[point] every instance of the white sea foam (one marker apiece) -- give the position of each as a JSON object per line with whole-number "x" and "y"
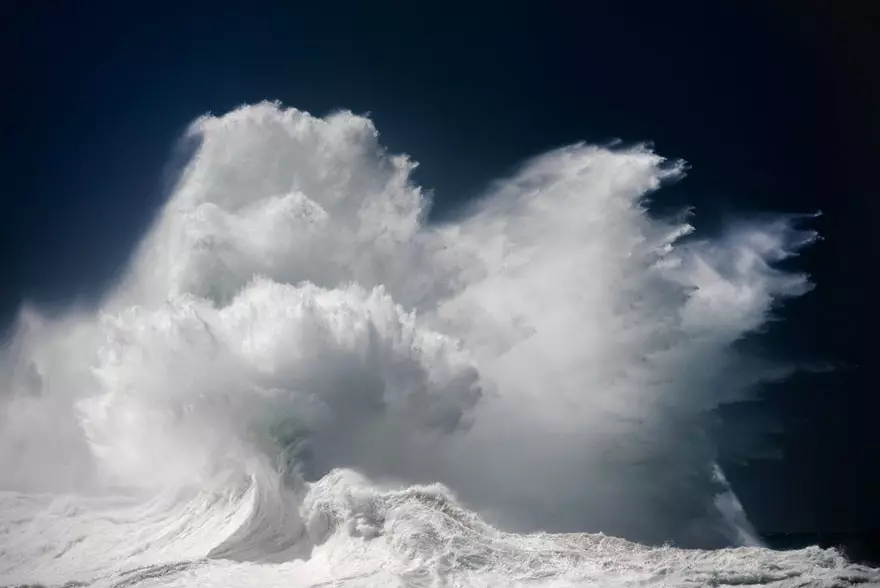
{"x": 295, "y": 360}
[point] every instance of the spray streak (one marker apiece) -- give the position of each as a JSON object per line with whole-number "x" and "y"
{"x": 551, "y": 356}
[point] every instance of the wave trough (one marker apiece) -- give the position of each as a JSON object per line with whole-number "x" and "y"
{"x": 299, "y": 380}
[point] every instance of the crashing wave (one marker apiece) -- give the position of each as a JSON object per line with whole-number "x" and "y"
{"x": 295, "y": 359}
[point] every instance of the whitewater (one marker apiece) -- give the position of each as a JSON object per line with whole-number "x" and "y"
{"x": 300, "y": 380}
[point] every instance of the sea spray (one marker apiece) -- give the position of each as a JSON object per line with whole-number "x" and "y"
{"x": 315, "y": 374}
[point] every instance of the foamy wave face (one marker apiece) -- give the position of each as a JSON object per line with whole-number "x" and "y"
{"x": 341, "y": 376}
{"x": 551, "y": 355}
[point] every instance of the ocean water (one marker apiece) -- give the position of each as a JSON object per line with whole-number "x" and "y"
{"x": 300, "y": 381}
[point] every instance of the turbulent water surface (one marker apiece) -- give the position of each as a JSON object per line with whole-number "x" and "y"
{"x": 299, "y": 381}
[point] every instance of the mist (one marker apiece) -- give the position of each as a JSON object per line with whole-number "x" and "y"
{"x": 552, "y": 354}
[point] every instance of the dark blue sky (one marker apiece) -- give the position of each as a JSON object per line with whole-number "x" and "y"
{"x": 772, "y": 103}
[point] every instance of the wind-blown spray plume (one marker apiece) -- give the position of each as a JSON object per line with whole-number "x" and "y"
{"x": 294, "y": 349}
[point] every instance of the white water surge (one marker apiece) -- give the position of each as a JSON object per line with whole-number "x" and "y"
{"x": 299, "y": 381}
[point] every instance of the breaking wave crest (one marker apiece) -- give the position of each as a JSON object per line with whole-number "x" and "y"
{"x": 300, "y": 379}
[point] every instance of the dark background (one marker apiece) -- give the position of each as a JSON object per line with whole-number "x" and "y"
{"x": 774, "y": 104}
